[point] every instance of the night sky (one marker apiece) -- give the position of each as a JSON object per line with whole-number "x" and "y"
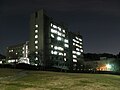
{"x": 98, "y": 21}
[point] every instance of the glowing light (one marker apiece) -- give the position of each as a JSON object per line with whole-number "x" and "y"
{"x": 36, "y": 42}
{"x": 59, "y": 38}
{"x": 52, "y": 35}
{"x": 36, "y": 36}
{"x": 36, "y": 25}
{"x": 66, "y": 45}
{"x": 36, "y": 31}
{"x": 108, "y": 66}
{"x": 66, "y": 41}
{"x": 74, "y": 60}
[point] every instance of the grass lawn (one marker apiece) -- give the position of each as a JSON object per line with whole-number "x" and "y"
{"x": 11, "y": 79}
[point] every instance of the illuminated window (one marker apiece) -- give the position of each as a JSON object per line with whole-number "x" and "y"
{"x": 77, "y": 38}
{"x": 59, "y": 33}
{"x": 73, "y": 43}
{"x": 36, "y": 42}
{"x": 77, "y": 49}
{"x": 80, "y": 46}
{"x": 36, "y": 52}
{"x": 55, "y": 47}
{"x": 61, "y": 54}
{"x": 78, "y": 53}
{"x": 55, "y": 52}
{"x": 36, "y": 25}
{"x": 66, "y": 45}
{"x": 74, "y": 52}
{"x": 63, "y": 35}
{"x": 22, "y": 52}
{"x": 80, "y": 43}
{"x": 36, "y": 58}
{"x": 64, "y": 54}
{"x": 10, "y": 50}
{"x": 52, "y": 52}
{"x": 36, "y": 31}
{"x": 59, "y": 38}
{"x": 36, "y": 47}
{"x": 74, "y": 56}
{"x": 66, "y": 41}
{"x": 64, "y": 31}
{"x": 51, "y": 46}
{"x": 80, "y": 39}
{"x": 51, "y": 24}
{"x": 54, "y": 31}
{"x": 59, "y": 28}
{"x": 64, "y": 59}
{"x": 74, "y": 60}
{"x": 54, "y": 26}
{"x": 52, "y": 35}
{"x": 81, "y": 50}
{"x": 16, "y": 53}
{"x": 36, "y": 36}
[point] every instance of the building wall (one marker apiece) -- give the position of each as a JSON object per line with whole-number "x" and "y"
{"x": 15, "y": 52}
{"x": 51, "y": 44}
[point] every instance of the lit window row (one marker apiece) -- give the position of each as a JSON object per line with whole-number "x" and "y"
{"x": 66, "y": 45}
{"x": 54, "y": 26}
{"x": 56, "y": 53}
{"x": 74, "y": 60}
{"x": 75, "y": 52}
{"x": 10, "y": 50}
{"x": 58, "y": 48}
{"x": 78, "y": 38}
{"x": 77, "y": 45}
{"x": 57, "y": 32}
{"x": 75, "y": 41}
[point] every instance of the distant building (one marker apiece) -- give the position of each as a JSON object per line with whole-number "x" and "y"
{"x": 18, "y": 53}
{"x": 52, "y": 45}
{"x": 2, "y": 59}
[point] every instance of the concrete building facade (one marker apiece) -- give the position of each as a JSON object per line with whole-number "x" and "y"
{"x": 51, "y": 44}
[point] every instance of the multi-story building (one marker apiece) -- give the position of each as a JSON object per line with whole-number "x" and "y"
{"x": 52, "y": 45}
{"x": 18, "y": 53}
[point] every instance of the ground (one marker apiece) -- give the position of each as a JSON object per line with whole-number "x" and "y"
{"x": 14, "y": 79}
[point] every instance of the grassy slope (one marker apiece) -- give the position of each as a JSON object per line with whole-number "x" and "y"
{"x": 41, "y": 80}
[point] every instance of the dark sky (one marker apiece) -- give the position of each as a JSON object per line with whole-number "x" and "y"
{"x": 98, "y": 21}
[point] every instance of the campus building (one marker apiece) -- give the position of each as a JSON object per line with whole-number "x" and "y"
{"x": 18, "y": 53}
{"x": 51, "y": 44}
